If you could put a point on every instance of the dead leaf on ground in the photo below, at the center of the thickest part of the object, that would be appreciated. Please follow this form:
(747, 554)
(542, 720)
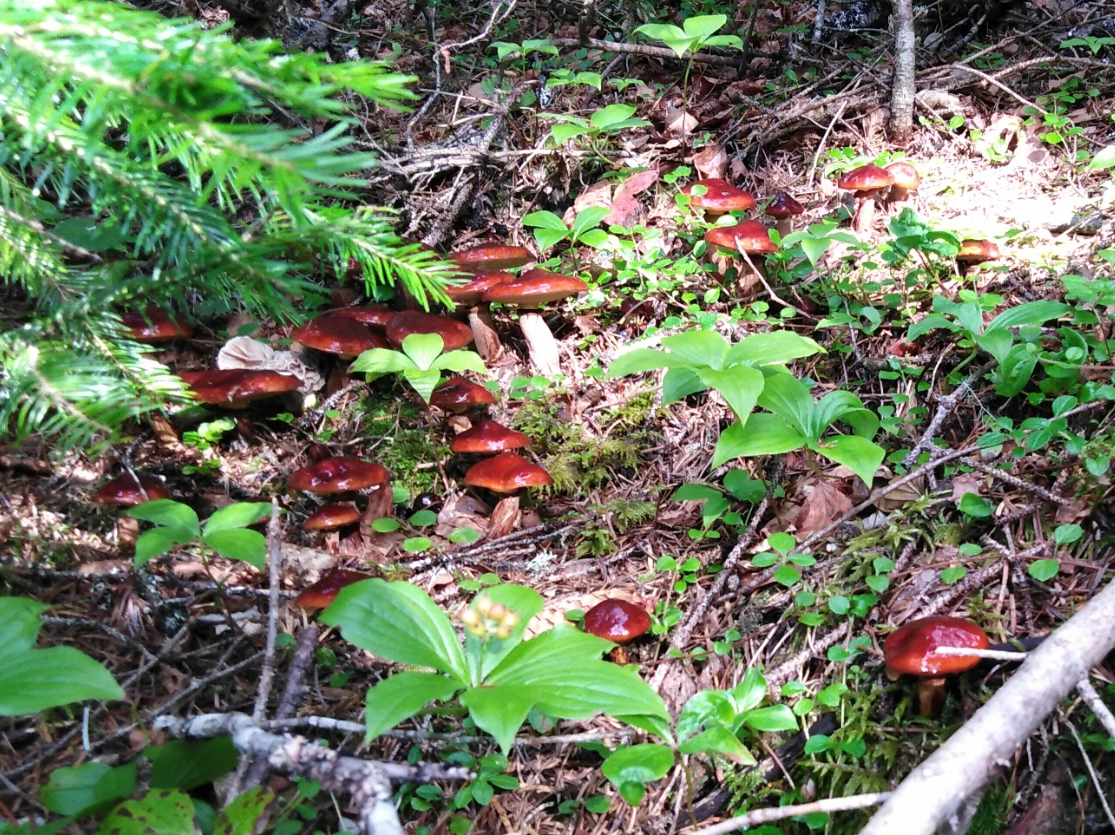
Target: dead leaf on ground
(711, 161)
(679, 121)
(823, 505)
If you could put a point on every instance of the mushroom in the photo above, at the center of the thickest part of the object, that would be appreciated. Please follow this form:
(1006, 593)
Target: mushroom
(784, 209)
(506, 473)
(906, 179)
(618, 621)
(372, 315)
(459, 394)
(346, 337)
(322, 593)
(331, 516)
(348, 475)
(532, 290)
(488, 436)
(977, 252)
(455, 335)
(480, 316)
(235, 388)
(468, 295)
(487, 258)
(127, 491)
(154, 325)
(910, 650)
(719, 198)
(750, 237)
(865, 182)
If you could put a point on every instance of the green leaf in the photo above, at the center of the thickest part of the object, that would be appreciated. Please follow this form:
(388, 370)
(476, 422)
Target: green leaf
(786, 575)
(240, 544)
(771, 348)
(1104, 159)
(814, 248)
(561, 133)
(604, 119)
(401, 696)
(787, 397)
(43, 678)
(83, 789)
(156, 542)
(718, 740)
(695, 493)
(933, 321)
(423, 348)
(242, 814)
(159, 811)
(859, 455)
(398, 622)
(587, 219)
(500, 710)
(189, 764)
(975, 506)
(678, 383)
(417, 544)
(674, 37)
(464, 536)
(458, 361)
(545, 220)
(1030, 313)
(763, 435)
(381, 361)
(20, 623)
(239, 515)
(638, 361)
(88, 234)
(170, 514)
(423, 382)
(630, 768)
(831, 408)
(524, 602)
(697, 348)
(1067, 534)
(724, 40)
(739, 386)
(1043, 570)
(703, 26)
(773, 718)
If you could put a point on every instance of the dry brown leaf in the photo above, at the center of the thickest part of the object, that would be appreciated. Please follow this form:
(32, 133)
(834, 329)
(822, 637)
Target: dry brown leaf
(679, 121)
(901, 495)
(964, 484)
(711, 161)
(598, 194)
(823, 505)
(637, 183)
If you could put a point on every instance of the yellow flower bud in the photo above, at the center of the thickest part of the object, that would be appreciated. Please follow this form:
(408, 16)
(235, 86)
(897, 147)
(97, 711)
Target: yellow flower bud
(484, 604)
(503, 631)
(469, 617)
(478, 630)
(497, 611)
(511, 619)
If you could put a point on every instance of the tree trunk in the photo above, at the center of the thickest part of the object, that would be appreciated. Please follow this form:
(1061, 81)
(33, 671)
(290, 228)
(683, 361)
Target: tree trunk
(902, 86)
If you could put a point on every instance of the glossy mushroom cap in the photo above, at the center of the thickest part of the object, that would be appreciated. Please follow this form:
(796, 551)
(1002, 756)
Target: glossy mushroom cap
(338, 335)
(904, 175)
(469, 294)
(374, 315)
(234, 388)
(454, 334)
(976, 252)
(865, 178)
(322, 593)
(488, 436)
(154, 325)
(618, 621)
(783, 206)
(535, 288)
(488, 258)
(330, 516)
(122, 491)
(506, 473)
(909, 650)
(749, 236)
(459, 394)
(338, 475)
(720, 197)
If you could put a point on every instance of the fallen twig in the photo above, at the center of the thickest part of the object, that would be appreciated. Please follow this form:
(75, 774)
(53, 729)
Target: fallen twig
(1092, 699)
(778, 813)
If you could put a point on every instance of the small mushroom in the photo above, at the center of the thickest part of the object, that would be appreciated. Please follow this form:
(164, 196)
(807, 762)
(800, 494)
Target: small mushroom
(459, 394)
(719, 198)
(339, 475)
(865, 183)
(750, 236)
(322, 593)
(784, 208)
(470, 295)
(154, 325)
(488, 436)
(618, 621)
(372, 315)
(331, 516)
(348, 338)
(487, 258)
(910, 650)
(455, 335)
(906, 179)
(235, 388)
(506, 473)
(128, 491)
(977, 252)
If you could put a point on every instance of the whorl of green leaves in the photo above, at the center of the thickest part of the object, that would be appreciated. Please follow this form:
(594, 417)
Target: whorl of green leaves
(146, 160)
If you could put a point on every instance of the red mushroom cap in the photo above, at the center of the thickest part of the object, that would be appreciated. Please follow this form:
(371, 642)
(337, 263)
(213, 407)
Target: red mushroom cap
(720, 197)
(123, 491)
(469, 294)
(454, 334)
(338, 475)
(374, 315)
(535, 288)
(488, 258)
(506, 473)
(234, 388)
(865, 178)
(750, 237)
(783, 206)
(976, 252)
(618, 621)
(154, 325)
(338, 335)
(459, 394)
(488, 436)
(322, 593)
(909, 650)
(330, 516)
(904, 175)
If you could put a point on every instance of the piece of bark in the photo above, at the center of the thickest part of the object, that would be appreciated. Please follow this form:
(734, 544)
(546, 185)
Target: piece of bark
(484, 335)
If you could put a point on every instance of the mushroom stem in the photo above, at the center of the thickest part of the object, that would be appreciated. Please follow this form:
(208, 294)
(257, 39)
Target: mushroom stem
(484, 334)
(504, 518)
(785, 226)
(541, 343)
(931, 695)
(864, 217)
(381, 502)
(897, 196)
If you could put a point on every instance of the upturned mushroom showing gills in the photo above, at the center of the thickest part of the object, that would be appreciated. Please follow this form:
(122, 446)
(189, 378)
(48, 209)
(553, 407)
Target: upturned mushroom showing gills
(322, 593)
(154, 325)
(488, 258)
(338, 475)
(235, 388)
(128, 491)
(866, 183)
(488, 436)
(348, 338)
(720, 197)
(454, 335)
(911, 650)
(459, 394)
(906, 179)
(784, 208)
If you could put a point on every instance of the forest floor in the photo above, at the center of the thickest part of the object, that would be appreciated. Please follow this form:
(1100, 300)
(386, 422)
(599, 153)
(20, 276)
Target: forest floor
(791, 118)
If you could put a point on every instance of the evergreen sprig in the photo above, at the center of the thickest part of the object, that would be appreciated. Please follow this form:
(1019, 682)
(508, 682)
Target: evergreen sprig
(153, 161)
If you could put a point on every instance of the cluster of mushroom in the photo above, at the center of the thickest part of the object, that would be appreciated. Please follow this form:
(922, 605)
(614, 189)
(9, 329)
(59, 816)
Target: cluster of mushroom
(748, 236)
(338, 477)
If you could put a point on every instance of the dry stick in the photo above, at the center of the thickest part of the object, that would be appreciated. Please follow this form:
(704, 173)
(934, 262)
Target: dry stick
(945, 407)
(1091, 771)
(1092, 699)
(275, 562)
(937, 789)
(644, 49)
(778, 813)
(1015, 481)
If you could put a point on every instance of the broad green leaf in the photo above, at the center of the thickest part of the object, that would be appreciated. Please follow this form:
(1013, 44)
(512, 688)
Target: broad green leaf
(974, 505)
(548, 650)
(500, 710)
(773, 718)
(81, 789)
(997, 343)
(398, 622)
(697, 348)
(240, 544)
(524, 602)
(239, 515)
(91, 234)
(589, 218)
(381, 361)
(695, 493)
(165, 812)
(678, 383)
(814, 248)
(242, 814)
(423, 348)
(596, 238)
(1104, 159)
(718, 740)
(547, 238)
(1043, 570)
(423, 382)
(170, 514)
(43, 678)
(749, 693)
(930, 322)
(630, 768)
(638, 361)
(156, 542)
(403, 695)
(859, 455)
(830, 408)
(739, 386)
(1030, 313)
(864, 422)
(706, 709)
(189, 764)
(1015, 373)
(771, 348)
(764, 435)
(20, 622)
(673, 36)
(458, 361)
(703, 26)
(787, 397)
(724, 40)
(545, 220)
(562, 133)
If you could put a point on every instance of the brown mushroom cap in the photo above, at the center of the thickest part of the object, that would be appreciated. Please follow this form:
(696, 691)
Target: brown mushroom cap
(618, 621)
(469, 294)
(488, 258)
(234, 388)
(322, 593)
(330, 516)
(374, 315)
(338, 335)
(720, 197)
(783, 206)
(750, 236)
(976, 252)
(338, 475)
(506, 473)
(454, 334)
(865, 178)
(123, 491)
(154, 325)
(909, 650)
(904, 175)
(459, 394)
(488, 436)
(535, 288)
